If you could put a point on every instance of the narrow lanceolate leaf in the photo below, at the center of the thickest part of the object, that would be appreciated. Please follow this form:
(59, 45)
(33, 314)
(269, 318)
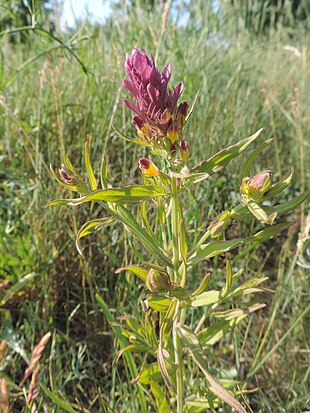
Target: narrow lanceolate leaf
(169, 317)
(222, 158)
(138, 271)
(269, 232)
(206, 298)
(89, 169)
(163, 368)
(241, 212)
(127, 138)
(229, 280)
(229, 320)
(213, 249)
(292, 204)
(254, 154)
(183, 237)
(276, 189)
(191, 341)
(88, 228)
(124, 195)
(203, 285)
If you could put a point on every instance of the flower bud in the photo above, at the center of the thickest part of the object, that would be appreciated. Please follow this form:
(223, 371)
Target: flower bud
(181, 113)
(148, 168)
(256, 187)
(71, 180)
(173, 132)
(142, 130)
(218, 226)
(184, 146)
(158, 281)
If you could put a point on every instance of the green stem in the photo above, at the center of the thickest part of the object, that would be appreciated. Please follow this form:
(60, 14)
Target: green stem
(176, 263)
(175, 229)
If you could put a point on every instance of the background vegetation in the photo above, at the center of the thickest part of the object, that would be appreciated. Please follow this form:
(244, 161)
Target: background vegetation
(56, 87)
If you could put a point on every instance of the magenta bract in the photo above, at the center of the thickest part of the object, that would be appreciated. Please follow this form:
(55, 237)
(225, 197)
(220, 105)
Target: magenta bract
(155, 104)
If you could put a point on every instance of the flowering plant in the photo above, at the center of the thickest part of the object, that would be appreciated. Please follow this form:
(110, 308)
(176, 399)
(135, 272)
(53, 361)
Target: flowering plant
(169, 340)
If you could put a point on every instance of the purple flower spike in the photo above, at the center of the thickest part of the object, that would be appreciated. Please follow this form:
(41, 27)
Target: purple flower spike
(155, 104)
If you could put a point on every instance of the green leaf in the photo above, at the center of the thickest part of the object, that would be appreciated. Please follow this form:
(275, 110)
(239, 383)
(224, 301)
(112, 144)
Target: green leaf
(191, 341)
(163, 367)
(169, 317)
(88, 228)
(57, 400)
(158, 303)
(279, 187)
(104, 174)
(222, 158)
(260, 213)
(126, 138)
(292, 204)
(229, 280)
(206, 298)
(125, 195)
(153, 373)
(139, 271)
(213, 249)
(231, 318)
(89, 169)
(254, 154)
(269, 232)
(203, 285)
(183, 236)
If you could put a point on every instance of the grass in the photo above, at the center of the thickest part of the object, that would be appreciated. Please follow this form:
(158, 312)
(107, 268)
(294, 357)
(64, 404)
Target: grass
(49, 105)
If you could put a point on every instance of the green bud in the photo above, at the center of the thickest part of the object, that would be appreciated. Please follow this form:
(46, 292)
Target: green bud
(158, 281)
(218, 226)
(72, 181)
(256, 187)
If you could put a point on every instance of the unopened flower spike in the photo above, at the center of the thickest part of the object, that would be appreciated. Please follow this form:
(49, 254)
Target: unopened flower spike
(148, 168)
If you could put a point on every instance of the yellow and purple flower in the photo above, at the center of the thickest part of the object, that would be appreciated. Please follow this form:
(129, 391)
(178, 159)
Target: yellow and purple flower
(148, 168)
(155, 104)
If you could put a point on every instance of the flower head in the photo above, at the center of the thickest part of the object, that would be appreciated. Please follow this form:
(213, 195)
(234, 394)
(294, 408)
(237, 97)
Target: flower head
(155, 104)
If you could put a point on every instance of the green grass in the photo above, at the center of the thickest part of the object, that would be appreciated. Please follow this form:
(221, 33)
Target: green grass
(49, 105)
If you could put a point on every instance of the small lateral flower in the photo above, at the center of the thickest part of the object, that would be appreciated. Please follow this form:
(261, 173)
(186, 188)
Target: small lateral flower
(148, 168)
(70, 179)
(158, 281)
(256, 187)
(181, 113)
(185, 149)
(155, 104)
